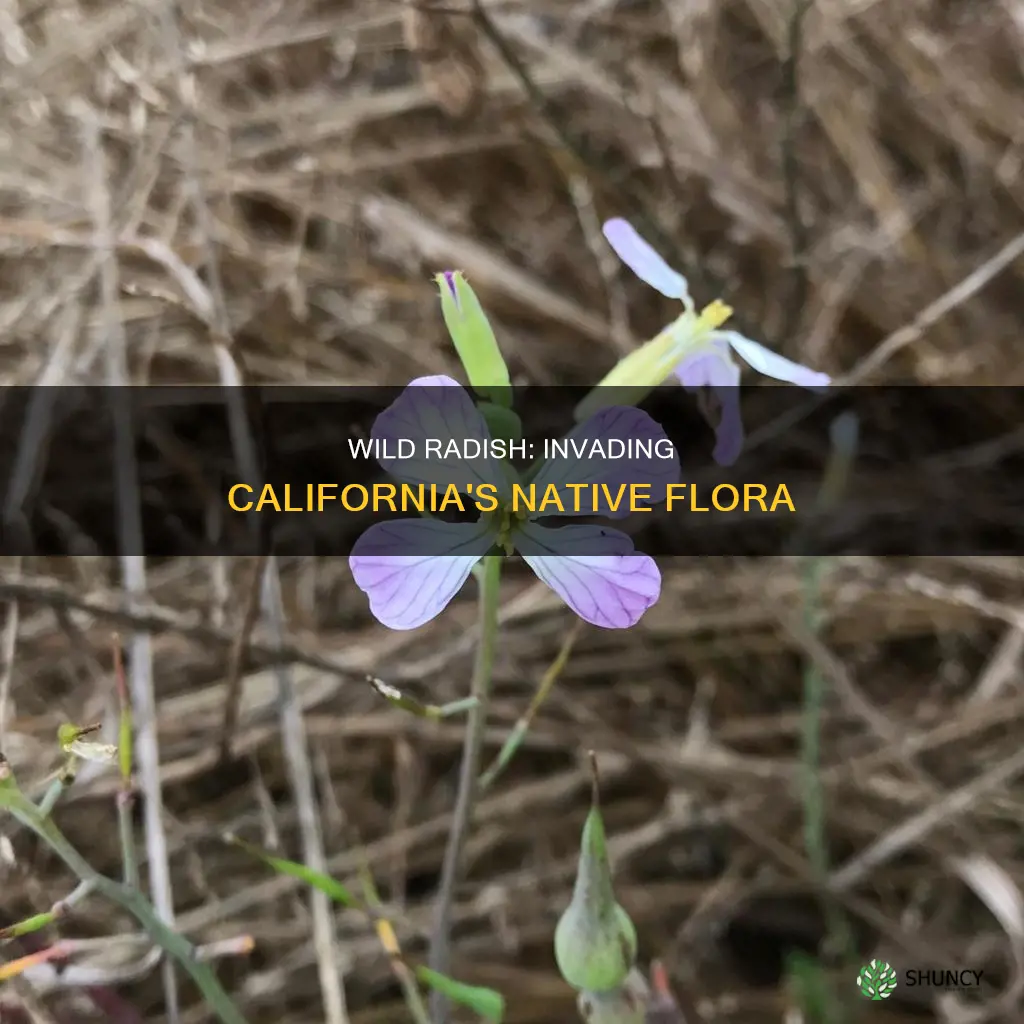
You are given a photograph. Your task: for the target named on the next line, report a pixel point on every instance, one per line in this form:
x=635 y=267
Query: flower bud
x=474 y=339
x=595 y=941
x=72 y=741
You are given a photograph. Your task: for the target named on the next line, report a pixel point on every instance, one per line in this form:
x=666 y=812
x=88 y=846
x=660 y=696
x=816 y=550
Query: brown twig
x=233 y=676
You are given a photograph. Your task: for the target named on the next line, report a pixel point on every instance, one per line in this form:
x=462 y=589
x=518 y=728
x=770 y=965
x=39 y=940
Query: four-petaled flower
x=694 y=347
x=411 y=568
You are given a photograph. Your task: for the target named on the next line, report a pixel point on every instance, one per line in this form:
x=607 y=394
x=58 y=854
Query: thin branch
x=154 y=618
x=897 y=341
x=133 y=563
x=593 y=165
x=16 y=803
x=45 y=977
x=522 y=726
x=296 y=748
x=6 y=674
x=300 y=772
x=935 y=311
x=233 y=696
x=247 y=456
x=389 y=941
x=791 y=167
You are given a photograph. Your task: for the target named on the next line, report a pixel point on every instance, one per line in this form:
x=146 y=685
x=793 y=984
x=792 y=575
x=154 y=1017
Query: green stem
x=815 y=830
x=440 y=943
x=14 y=801
x=815 y=842
x=48 y=917
x=129 y=858
x=522 y=727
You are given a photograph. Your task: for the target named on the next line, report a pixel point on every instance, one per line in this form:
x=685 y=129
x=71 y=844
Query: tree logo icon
x=877 y=980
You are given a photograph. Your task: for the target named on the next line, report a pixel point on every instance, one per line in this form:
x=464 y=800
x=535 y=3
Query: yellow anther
x=714 y=315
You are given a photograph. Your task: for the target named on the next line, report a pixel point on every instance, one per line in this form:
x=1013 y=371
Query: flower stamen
x=713 y=315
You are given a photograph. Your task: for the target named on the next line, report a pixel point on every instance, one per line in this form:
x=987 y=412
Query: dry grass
x=282 y=181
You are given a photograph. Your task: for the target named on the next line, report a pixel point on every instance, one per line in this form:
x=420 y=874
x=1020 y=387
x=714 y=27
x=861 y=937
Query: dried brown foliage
x=347 y=151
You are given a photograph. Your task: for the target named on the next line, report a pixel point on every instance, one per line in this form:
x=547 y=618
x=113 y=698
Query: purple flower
x=412 y=568
x=694 y=347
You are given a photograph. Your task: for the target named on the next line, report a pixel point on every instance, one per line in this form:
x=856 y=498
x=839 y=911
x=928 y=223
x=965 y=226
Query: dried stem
x=791 y=167
x=130 y=535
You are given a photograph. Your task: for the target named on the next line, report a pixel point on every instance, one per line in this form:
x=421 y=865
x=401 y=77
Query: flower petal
x=612 y=475
x=725 y=382
x=411 y=568
x=715 y=368
x=696 y=370
x=771 y=364
x=610 y=590
x=438 y=408
x=641 y=258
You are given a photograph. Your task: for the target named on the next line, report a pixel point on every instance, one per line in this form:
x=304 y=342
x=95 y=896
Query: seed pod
x=595 y=941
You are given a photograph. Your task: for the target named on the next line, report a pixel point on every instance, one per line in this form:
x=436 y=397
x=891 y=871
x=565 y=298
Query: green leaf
x=293 y=869
x=483 y=1001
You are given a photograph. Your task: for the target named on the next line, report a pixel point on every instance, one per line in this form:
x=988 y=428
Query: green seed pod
x=626 y=1004
x=595 y=941
x=474 y=339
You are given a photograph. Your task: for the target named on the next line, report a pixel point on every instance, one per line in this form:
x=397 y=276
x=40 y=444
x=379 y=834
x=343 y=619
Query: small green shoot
x=433 y=712
x=483 y=1001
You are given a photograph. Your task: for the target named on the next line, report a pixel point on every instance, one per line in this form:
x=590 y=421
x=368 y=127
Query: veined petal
x=584 y=464
x=771 y=364
x=713 y=367
x=641 y=258
x=440 y=408
x=610 y=590
x=411 y=568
